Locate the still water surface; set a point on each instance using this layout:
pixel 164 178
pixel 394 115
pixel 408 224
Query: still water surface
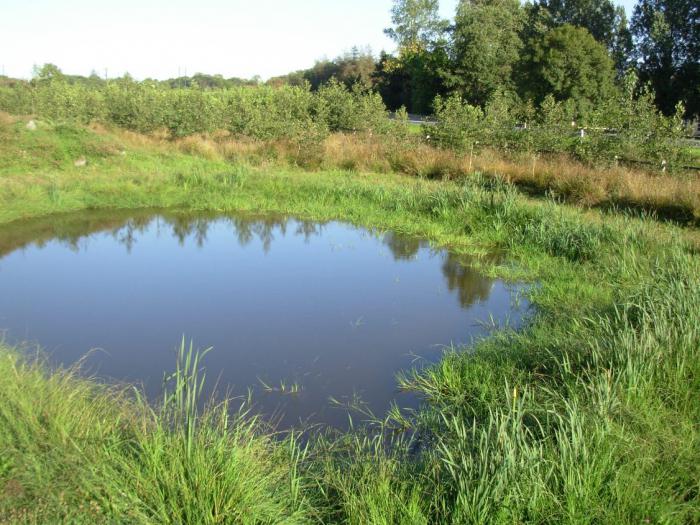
pixel 335 309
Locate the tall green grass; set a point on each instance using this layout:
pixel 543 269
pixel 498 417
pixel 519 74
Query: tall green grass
pixel 76 451
pixel 594 420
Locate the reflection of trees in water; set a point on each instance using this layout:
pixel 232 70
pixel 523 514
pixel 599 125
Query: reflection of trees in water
pixel 127 226
pixel 71 228
pixel 126 234
pixel 184 227
pixel 309 229
pixel 403 247
pixel 246 229
pixel 471 285
pixel 263 229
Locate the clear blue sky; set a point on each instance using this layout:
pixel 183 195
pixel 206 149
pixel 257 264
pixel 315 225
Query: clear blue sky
pixel 157 38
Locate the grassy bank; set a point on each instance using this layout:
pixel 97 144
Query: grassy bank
pixel 588 415
pixel 667 196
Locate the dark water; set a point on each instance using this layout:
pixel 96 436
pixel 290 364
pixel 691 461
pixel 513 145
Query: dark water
pixel 332 308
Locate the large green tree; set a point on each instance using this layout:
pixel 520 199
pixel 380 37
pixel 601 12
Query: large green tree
pixel 413 79
pixel 568 63
pixel 667 34
pixel 416 23
pixel 486 47
pixel 414 76
pixel 602 18
pixel 47 72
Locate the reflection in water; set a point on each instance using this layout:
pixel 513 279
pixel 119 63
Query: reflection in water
pixel 470 285
pixel 282 301
pixel 403 247
pixel 125 227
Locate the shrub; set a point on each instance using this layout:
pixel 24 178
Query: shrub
pixel 341 109
pixel 459 125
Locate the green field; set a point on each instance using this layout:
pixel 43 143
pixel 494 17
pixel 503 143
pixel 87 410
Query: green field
pixel 694 152
pixel 589 414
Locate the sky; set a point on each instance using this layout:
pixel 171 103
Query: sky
pixel 161 38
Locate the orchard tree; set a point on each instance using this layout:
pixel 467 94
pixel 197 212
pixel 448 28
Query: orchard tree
pixel 486 47
pixel 667 34
pixel 569 64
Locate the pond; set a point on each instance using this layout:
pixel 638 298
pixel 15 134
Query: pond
pixel 328 309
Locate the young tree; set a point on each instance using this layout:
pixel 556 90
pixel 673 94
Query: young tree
pixel 568 63
pixel 667 34
pixel 486 47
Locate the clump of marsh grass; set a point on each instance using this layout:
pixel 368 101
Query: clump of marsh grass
pixel 284 387
pixel 82 452
pixel 574 432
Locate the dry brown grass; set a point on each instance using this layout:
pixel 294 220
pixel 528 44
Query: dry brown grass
pixel 200 146
pixel 673 196
pixel 6 118
pixel 353 153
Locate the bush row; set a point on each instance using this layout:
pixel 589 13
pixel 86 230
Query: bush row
pixel 258 112
pixel 626 127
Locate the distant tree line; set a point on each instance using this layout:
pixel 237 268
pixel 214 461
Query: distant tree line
pixel 572 50
pixel 198 80
pixel 357 66
pixel 576 50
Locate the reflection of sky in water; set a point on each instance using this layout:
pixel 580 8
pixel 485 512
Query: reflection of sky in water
pixel 337 309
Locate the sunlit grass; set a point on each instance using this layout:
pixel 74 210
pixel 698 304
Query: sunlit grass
pixel 675 196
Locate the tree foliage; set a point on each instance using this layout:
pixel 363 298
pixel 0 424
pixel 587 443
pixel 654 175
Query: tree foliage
pixel 526 49
pixel 568 63
pixel 574 52
pixel 415 23
pixel 602 18
pixel 486 47
pixel 350 68
pixel 667 34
